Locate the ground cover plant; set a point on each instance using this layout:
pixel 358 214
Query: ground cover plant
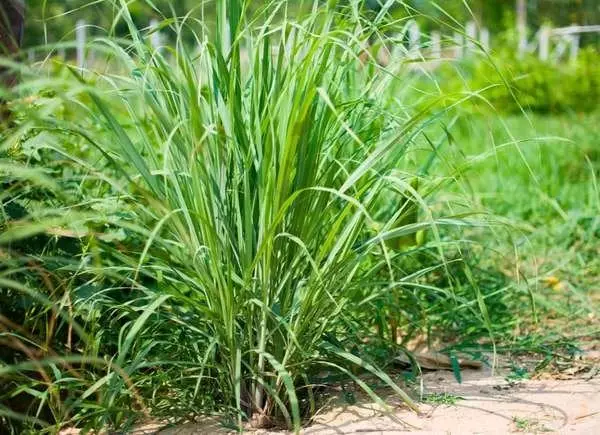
pixel 211 225
pixel 553 196
pixel 549 191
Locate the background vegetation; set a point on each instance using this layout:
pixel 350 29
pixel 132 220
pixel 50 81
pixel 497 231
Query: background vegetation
pixel 51 20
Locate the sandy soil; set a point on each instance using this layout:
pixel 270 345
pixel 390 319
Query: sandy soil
pixel 482 404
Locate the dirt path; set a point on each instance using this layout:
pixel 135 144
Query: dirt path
pixel 481 404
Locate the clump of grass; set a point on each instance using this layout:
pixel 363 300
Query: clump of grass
pixel 227 203
pixel 523 424
pixel 442 399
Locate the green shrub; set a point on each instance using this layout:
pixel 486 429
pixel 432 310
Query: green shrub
pixel 510 84
pixel 238 214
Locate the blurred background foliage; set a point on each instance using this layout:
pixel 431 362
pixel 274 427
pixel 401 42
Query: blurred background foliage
pixel 53 20
pixel 508 84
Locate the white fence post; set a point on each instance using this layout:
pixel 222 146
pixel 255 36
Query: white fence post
pixel 436 45
pixel 522 26
pixel 80 37
pixel 414 39
pixel 155 39
pixel 574 47
pixel 544 42
pixel 458 45
pixel 471 30
pixel 484 38
pixel 289 41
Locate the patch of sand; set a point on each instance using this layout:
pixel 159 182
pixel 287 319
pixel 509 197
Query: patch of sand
pixel 488 405
pixel 484 404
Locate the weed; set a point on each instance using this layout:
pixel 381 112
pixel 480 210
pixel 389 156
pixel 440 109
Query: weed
pixel 523 424
pixel 517 373
pixel 442 399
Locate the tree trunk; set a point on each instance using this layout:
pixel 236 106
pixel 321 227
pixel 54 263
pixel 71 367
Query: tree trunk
pixel 12 26
pixel 12 20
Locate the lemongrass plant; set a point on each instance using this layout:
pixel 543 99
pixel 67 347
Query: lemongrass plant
pixel 229 208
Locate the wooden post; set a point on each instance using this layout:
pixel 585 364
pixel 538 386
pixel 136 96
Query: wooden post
pixel 522 26
pixel 155 39
pixel 574 51
pixel 471 30
pixel 290 41
pixel 458 45
pixel 397 51
pixel 544 42
pixel 484 38
pixel 414 39
pixel 80 40
pixel 12 24
pixel 436 45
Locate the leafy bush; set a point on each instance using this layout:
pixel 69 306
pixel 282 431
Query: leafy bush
pixel 510 84
pixel 237 216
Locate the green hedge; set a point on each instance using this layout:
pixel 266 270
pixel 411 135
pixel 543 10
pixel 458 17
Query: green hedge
pixel 510 83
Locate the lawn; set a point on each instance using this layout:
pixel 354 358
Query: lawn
pixel 549 191
pixel 541 176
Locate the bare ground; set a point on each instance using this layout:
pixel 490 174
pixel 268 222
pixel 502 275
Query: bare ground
pixel 482 404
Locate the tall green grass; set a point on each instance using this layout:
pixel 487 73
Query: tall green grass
pixel 552 196
pixel 235 212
